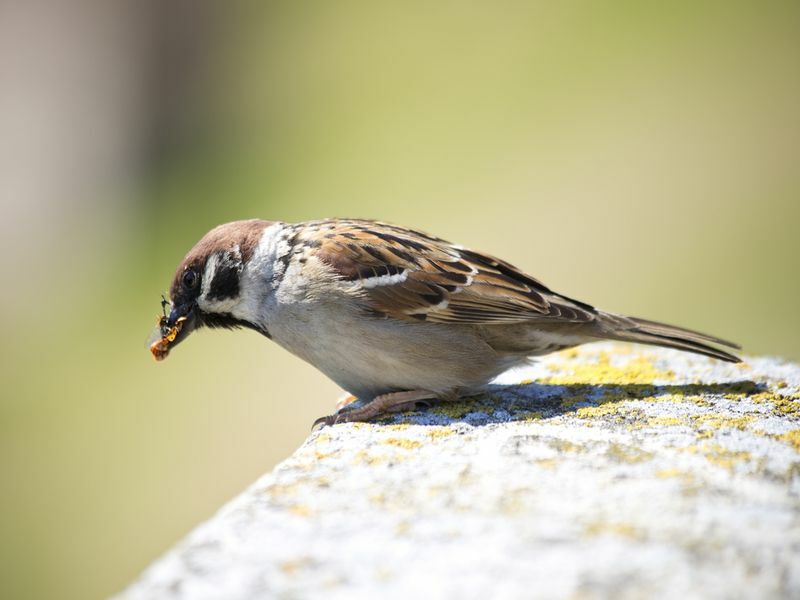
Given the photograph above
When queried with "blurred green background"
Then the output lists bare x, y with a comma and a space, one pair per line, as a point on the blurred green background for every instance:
642, 156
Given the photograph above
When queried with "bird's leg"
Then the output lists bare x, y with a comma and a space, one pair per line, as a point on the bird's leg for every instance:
391, 402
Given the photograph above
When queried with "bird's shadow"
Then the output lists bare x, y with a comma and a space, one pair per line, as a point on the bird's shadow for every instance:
522, 402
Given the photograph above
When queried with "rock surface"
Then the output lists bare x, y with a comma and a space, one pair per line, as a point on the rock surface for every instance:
609, 471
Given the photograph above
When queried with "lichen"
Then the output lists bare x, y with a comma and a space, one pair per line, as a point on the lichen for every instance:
793, 437
402, 443
324, 455
528, 415
440, 432
560, 445
614, 412
457, 409
665, 421
628, 454
301, 510
672, 473
290, 567
364, 457
619, 529
397, 427
720, 421
719, 455
782, 406
637, 370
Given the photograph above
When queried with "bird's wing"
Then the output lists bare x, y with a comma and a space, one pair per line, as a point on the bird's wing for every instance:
404, 274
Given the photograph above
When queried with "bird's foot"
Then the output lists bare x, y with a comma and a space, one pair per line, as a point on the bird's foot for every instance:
393, 402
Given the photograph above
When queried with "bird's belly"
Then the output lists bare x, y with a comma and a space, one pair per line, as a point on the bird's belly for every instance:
368, 356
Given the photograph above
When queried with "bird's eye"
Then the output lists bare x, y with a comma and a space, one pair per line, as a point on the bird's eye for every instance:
190, 279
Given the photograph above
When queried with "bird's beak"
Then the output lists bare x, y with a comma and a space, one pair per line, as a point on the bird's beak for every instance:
173, 329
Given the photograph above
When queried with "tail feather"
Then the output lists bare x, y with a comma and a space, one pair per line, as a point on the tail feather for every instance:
642, 331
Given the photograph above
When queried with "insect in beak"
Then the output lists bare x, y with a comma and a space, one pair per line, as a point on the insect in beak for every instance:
164, 335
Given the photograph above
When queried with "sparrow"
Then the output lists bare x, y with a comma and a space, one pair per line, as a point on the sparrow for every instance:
394, 316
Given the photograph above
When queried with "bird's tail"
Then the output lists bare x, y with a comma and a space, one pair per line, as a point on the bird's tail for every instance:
641, 331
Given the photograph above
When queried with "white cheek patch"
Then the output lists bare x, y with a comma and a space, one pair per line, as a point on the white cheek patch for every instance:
213, 264
208, 276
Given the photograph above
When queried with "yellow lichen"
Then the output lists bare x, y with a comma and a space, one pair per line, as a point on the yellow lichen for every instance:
592, 412
571, 353
719, 421
785, 405
323, 438
290, 567
625, 530
460, 408
781, 405
563, 445
440, 432
402, 528
637, 370
403, 443
529, 415
719, 455
397, 427
280, 489
301, 510
614, 411
793, 437
628, 454
364, 457
668, 421
669, 473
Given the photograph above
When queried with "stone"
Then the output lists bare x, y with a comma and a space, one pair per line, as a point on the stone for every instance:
607, 471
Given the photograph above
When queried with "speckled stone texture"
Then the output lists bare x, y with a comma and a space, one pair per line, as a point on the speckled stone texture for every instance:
610, 471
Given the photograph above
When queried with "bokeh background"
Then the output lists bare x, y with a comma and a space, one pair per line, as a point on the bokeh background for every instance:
642, 156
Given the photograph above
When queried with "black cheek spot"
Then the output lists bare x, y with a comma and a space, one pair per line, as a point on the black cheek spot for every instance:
225, 283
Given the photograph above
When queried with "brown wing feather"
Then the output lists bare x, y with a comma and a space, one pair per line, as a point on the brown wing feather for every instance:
409, 275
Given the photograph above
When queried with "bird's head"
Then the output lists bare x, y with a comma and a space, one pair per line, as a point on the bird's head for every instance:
208, 287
